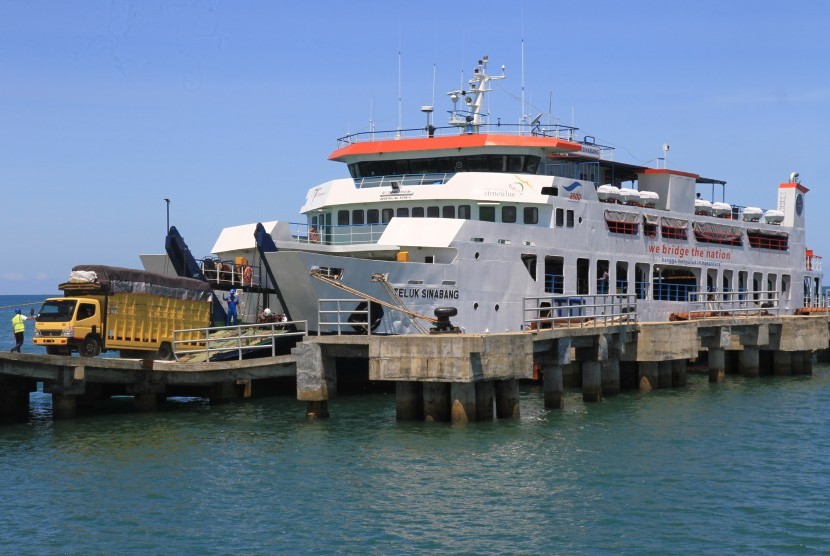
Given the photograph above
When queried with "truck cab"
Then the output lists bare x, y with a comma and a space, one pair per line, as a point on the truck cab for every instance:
67, 324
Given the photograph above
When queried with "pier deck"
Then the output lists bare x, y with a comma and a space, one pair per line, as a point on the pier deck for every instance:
459, 377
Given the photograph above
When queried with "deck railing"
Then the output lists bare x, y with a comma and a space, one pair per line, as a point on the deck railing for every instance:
579, 311
713, 304
204, 343
353, 234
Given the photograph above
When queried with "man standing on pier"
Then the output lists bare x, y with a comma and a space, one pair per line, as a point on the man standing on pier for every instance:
19, 327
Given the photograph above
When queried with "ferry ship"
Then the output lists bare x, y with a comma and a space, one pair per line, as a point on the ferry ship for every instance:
501, 227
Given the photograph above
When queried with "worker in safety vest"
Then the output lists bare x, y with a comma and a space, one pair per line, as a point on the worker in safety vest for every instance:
19, 327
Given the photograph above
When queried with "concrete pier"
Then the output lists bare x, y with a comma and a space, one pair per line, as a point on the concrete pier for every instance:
749, 362
439, 377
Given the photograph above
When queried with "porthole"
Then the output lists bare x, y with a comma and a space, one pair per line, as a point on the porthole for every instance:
477, 255
475, 306
497, 306
580, 220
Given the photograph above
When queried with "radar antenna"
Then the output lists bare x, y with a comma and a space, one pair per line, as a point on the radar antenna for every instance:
471, 118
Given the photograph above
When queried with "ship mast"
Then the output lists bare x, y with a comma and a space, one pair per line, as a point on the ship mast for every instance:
471, 118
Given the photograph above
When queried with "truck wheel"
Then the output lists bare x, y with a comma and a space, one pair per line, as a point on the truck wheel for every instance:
89, 347
53, 350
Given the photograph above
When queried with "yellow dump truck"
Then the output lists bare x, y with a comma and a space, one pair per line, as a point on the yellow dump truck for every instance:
111, 308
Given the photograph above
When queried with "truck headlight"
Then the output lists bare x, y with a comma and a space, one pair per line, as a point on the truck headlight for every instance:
68, 332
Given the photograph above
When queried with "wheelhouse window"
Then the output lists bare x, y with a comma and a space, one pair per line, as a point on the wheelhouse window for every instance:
524, 164
508, 214
417, 212
448, 211
357, 217
531, 215
433, 212
387, 215
464, 212
342, 218
373, 216
560, 218
403, 212
569, 218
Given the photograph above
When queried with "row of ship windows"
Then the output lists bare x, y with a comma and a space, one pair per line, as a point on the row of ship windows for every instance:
509, 214
761, 241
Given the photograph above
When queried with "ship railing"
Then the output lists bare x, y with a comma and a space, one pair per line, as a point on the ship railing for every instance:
231, 273
716, 304
817, 300
542, 312
352, 234
235, 342
343, 316
556, 131
403, 180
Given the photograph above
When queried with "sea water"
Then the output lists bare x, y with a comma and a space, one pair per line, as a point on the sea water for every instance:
738, 467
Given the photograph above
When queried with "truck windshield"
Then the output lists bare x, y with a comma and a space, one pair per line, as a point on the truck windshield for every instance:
56, 310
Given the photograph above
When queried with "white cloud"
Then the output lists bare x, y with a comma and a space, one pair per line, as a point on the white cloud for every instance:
12, 276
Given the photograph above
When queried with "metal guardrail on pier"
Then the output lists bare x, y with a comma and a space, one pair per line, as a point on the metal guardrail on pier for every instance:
710, 304
204, 343
579, 310
340, 316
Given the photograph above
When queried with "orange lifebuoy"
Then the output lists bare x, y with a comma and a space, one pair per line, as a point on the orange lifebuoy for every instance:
247, 275
313, 235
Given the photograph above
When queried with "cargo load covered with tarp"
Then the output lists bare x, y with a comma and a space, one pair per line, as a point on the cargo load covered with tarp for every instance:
133, 311
113, 279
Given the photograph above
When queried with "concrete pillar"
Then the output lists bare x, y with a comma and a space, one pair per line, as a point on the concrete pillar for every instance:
146, 402
485, 394
552, 386
245, 388
436, 401
507, 399
316, 374
317, 409
797, 358
648, 375
717, 365
610, 370
408, 401
808, 362
678, 373
222, 392
63, 406
748, 362
664, 369
463, 402
591, 381
14, 399
782, 364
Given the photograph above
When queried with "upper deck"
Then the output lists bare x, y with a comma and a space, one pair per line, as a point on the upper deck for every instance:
501, 138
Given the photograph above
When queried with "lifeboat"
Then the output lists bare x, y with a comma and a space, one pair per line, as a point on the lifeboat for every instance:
629, 196
649, 199
773, 216
608, 193
703, 207
752, 214
722, 210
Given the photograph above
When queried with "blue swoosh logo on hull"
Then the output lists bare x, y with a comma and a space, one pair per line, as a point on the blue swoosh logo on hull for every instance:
573, 186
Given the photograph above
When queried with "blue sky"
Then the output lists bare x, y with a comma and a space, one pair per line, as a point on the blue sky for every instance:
231, 108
